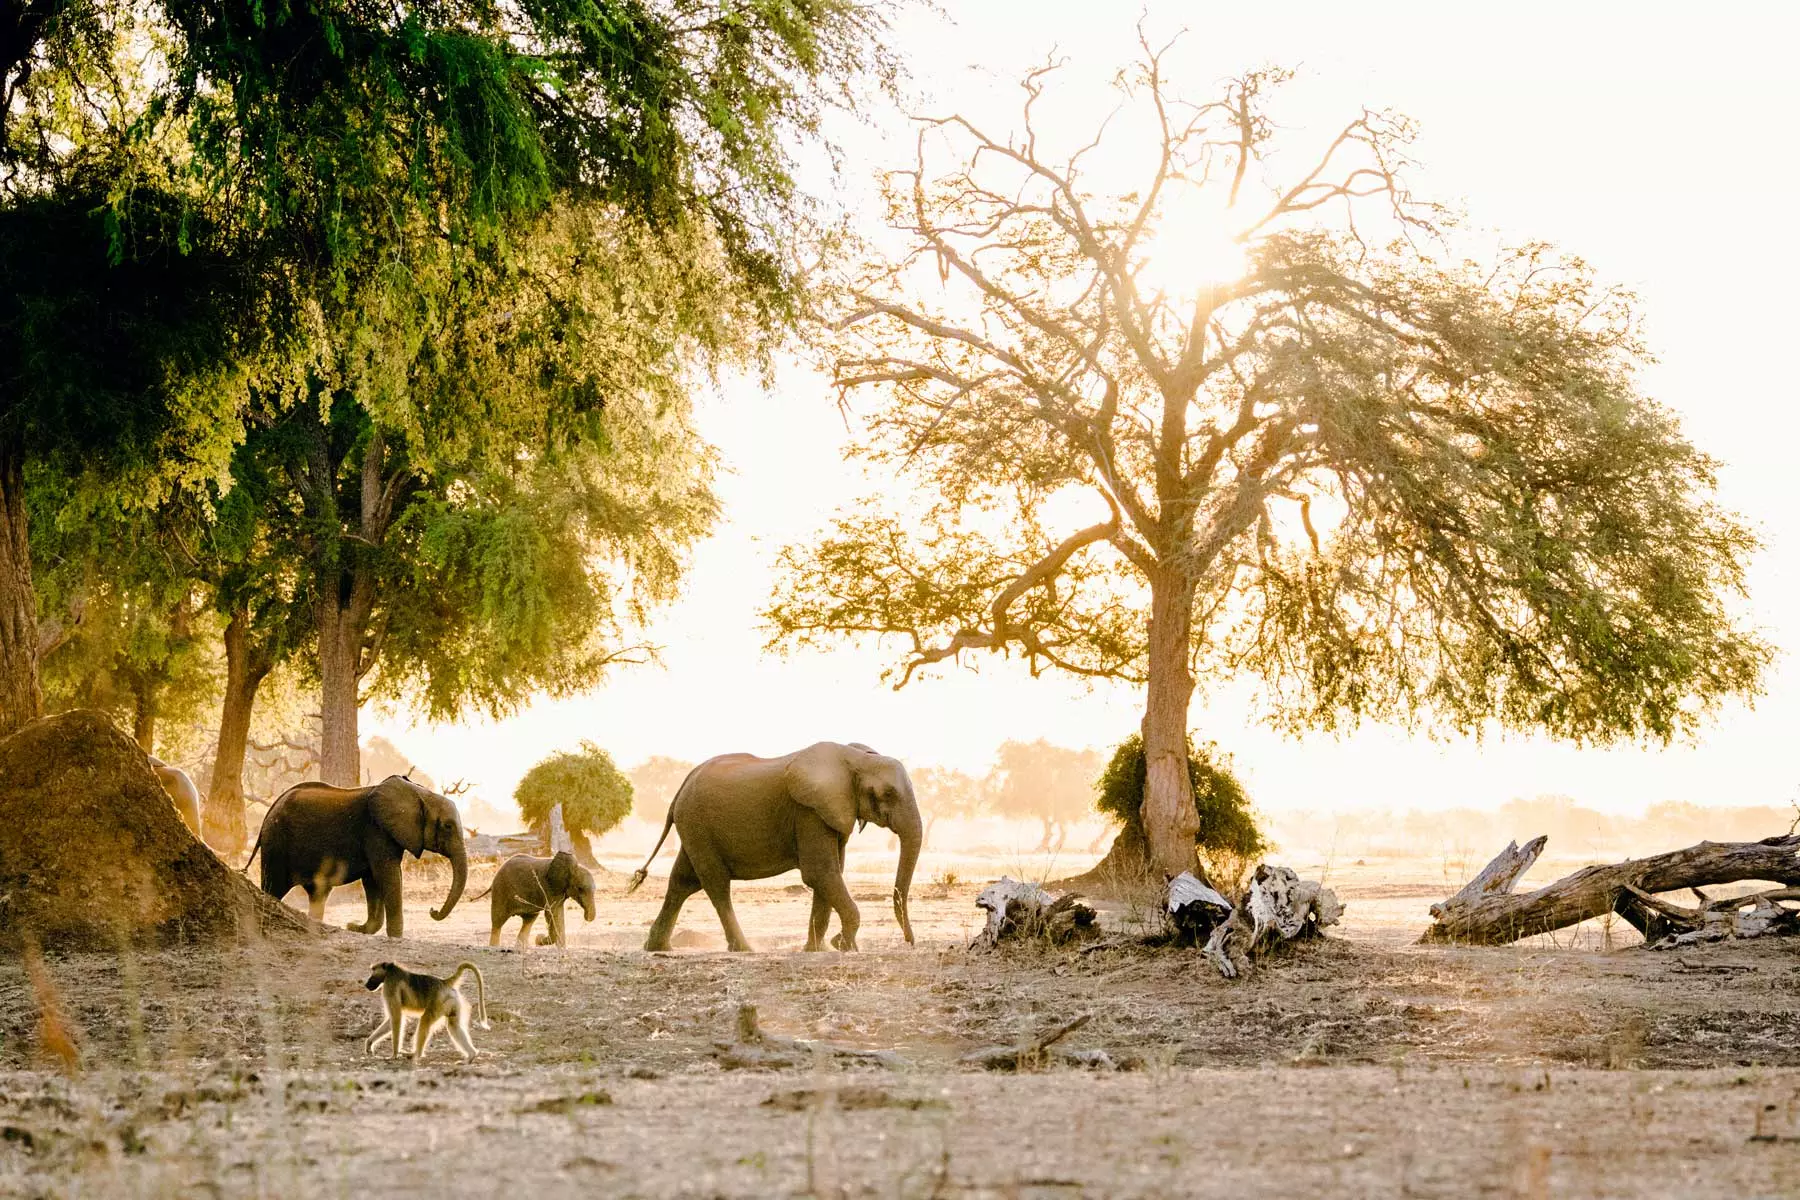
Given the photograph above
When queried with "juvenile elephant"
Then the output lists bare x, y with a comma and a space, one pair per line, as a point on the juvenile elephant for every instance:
181, 790
526, 886
316, 836
744, 817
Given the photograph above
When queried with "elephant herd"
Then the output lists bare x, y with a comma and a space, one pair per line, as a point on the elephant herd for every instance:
738, 816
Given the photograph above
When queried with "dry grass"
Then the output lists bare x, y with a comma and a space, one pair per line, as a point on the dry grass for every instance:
1356, 1066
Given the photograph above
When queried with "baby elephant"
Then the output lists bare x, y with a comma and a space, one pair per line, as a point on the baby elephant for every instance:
526, 886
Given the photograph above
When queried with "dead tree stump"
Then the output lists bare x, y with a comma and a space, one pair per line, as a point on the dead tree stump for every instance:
1499, 916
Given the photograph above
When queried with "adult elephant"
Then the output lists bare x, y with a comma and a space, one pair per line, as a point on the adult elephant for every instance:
744, 817
317, 837
181, 790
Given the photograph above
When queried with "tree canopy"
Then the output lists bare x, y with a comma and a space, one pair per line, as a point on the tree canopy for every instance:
1385, 481
594, 793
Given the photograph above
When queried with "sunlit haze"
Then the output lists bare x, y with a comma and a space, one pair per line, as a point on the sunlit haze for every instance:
1653, 140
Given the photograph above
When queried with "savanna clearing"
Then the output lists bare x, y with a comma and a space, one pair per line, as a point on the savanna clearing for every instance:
1362, 1065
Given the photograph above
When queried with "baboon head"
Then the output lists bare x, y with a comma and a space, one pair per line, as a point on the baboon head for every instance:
378, 975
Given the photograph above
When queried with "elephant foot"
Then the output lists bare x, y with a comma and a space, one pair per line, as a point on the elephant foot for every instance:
359, 927
844, 941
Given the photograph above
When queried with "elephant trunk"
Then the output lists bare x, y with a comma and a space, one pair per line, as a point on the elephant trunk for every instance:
912, 836
459, 875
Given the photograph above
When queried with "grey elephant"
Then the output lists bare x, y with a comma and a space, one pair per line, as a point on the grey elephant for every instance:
744, 817
316, 837
526, 886
181, 790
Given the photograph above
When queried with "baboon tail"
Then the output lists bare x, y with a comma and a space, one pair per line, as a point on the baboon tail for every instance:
480, 987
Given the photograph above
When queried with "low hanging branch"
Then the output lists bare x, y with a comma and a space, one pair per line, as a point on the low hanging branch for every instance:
1494, 916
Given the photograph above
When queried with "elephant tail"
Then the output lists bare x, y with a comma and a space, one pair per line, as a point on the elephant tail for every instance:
484, 891
245, 869
642, 873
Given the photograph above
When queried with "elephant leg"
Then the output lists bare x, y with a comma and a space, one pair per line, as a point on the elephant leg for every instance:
315, 902
553, 935
820, 922
392, 897
525, 924
822, 870
717, 882
494, 937
372, 922
682, 884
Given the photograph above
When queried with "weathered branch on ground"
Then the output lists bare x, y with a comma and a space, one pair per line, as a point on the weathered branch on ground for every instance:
1667, 926
1027, 1055
754, 1049
1628, 888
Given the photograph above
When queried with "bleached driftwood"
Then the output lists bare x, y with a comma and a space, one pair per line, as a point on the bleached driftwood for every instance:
1500, 876
1279, 906
1194, 909
1500, 917
1024, 911
1667, 926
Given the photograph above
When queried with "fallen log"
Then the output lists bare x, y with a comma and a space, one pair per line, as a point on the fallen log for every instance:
1500, 916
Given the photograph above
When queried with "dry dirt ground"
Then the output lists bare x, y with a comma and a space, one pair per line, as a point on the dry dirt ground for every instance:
1360, 1066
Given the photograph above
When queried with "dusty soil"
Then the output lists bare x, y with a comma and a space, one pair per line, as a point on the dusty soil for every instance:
1361, 1066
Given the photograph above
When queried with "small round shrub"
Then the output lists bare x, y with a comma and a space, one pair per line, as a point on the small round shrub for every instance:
594, 793
1227, 822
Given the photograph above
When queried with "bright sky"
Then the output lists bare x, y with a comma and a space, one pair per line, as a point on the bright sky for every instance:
1653, 139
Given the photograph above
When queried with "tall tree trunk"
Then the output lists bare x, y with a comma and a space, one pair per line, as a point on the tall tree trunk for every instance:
245, 669
340, 641
21, 698
143, 715
1170, 821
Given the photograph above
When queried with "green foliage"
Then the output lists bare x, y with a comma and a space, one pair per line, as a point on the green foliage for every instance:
1227, 821
123, 363
594, 794
1385, 483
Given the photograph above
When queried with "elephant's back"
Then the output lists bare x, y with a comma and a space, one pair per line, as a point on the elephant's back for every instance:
728, 782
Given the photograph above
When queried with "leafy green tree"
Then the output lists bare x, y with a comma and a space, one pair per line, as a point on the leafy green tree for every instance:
1225, 825
594, 794
404, 169
1384, 482
1050, 784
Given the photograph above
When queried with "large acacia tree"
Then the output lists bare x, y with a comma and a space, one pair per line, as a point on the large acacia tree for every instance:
1384, 481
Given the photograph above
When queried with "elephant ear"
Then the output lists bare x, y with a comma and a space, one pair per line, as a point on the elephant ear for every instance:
400, 811
820, 778
559, 876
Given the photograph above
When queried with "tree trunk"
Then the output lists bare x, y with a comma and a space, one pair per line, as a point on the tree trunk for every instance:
1170, 821
1498, 917
21, 698
143, 715
245, 669
340, 757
